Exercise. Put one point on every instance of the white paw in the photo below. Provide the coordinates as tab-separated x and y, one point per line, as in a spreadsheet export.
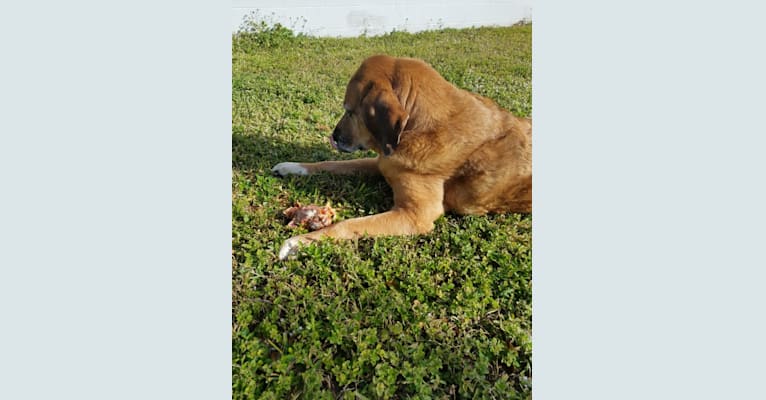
289	248
288	168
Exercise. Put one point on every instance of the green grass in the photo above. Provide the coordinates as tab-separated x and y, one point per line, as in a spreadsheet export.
443	315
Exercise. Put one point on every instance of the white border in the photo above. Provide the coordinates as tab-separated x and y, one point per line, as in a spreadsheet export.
115	225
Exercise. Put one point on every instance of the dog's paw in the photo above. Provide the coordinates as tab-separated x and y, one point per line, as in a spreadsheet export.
289	168
290	247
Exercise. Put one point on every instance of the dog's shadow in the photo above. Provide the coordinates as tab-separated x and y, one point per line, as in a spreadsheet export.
254	156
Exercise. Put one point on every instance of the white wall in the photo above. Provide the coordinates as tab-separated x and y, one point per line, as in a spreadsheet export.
375	17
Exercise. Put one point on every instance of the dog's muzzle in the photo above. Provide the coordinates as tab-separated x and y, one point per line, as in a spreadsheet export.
339	145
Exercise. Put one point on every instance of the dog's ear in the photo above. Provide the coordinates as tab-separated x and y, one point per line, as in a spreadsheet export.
386	119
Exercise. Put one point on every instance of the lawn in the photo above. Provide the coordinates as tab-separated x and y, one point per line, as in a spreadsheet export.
444	315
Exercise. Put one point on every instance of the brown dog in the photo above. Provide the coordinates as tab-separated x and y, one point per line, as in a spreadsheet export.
440	148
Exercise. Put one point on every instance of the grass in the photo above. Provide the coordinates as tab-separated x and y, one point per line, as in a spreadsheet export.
443	315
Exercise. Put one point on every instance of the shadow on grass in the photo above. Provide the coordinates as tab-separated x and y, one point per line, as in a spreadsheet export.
255	155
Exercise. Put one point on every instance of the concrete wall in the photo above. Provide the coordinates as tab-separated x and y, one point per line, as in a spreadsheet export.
375	17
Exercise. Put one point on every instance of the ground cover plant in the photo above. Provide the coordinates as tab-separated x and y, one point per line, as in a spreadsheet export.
443	315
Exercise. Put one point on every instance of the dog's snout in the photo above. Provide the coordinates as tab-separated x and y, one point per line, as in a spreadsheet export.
342	138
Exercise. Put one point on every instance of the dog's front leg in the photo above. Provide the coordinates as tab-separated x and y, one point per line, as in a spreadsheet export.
418	203
390	223
360	165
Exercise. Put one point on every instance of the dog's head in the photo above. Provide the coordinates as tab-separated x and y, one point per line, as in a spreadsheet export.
374	117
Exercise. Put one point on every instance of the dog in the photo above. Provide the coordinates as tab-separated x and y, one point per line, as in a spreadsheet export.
440	148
